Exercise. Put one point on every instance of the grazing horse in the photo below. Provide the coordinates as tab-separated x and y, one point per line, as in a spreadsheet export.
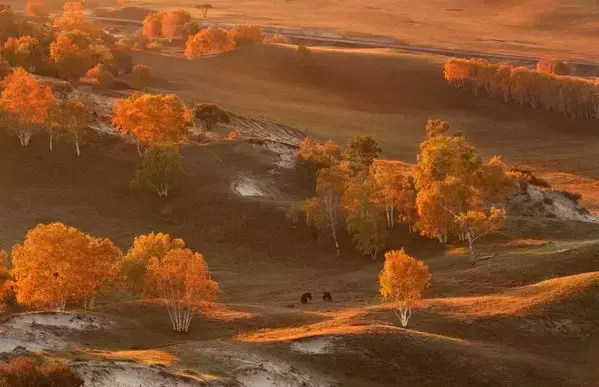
306	297
327	297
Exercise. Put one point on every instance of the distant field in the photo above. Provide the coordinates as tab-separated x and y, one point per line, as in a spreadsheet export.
343	93
531	27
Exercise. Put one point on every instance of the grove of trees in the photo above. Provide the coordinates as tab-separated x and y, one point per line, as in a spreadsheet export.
57	266
447	193
561	94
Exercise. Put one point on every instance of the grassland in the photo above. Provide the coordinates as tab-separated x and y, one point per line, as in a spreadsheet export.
528	27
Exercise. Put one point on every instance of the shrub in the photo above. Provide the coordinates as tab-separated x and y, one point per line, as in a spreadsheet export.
141	76
547	200
101	75
572	196
211	40
275	39
27	372
553	66
244	35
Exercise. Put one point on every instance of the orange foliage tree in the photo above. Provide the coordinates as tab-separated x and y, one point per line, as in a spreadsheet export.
152	26
70	53
26	100
72	117
182	282
173	22
325	209
402	281
25	52
141	77
364	221
476	223
99	76
34	7
211	40
152	119
319	155
73	16
144	248
6	280
572	96
394	192
244	34
57	264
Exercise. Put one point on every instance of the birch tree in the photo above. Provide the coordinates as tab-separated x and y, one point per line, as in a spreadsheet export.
364	221
394	191
57	264
181	281
326	207
71	117
27	101
145	247
402	282
476	224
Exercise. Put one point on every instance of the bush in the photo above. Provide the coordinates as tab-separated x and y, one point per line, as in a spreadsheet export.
244	35
275	39
27	372
101	74
141	77
529	177
572	196
547	200
553	66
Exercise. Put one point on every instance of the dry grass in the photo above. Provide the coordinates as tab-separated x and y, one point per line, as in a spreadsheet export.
149	357
386	94
529	27
520	301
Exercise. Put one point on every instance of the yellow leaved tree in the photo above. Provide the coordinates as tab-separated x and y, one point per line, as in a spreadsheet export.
477	223
27	101
72	117
402	282
146	247
181	281
57	264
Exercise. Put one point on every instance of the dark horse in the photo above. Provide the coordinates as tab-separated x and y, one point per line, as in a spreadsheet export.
306	297
327	297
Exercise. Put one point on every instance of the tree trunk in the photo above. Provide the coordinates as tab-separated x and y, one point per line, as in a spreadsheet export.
51	138
404	315
471	247
138	149
77	144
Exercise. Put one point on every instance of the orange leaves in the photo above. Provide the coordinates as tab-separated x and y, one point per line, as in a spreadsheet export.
57	264
144	248
34	7
141	76
152	119
244	34
211	40
73	15
403	278
24	97
167	24
62	48
152	25
575	97
180	278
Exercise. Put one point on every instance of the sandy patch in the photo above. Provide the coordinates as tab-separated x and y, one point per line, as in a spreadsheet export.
247	187
321	345
127	374
283	155
40	331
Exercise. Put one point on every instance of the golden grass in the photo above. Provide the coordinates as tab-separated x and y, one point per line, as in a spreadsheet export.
568	28
586	186
516	302
148	357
